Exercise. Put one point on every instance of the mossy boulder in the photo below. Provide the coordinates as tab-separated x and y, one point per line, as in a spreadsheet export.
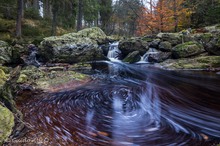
165	46
202	62
213	46
6	123
132	57
133	44
5	53
174	38
73	47
187	49
94	33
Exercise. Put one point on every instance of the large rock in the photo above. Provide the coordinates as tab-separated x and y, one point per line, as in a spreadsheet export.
132	57
133	44
159	57
165	46
175	38
6	124
73	47
187	50
5	53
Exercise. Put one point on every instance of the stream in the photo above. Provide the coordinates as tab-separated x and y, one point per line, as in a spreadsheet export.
129	105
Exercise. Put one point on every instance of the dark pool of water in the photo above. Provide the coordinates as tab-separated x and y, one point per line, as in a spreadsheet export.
130	105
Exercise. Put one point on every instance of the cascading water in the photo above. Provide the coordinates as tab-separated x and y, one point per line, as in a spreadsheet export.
114	52
139	106
149	53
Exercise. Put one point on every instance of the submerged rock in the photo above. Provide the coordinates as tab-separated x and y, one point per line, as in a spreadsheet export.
6	123
187	50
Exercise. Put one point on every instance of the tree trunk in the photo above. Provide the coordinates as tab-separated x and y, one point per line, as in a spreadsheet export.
54	21
47	9
80	15
19	18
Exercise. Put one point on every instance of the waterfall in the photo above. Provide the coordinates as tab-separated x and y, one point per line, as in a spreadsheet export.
145	58
114	52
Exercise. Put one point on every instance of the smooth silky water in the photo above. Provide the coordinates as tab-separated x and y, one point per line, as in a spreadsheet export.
132	105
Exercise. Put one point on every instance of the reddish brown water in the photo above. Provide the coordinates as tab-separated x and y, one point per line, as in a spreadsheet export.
130	106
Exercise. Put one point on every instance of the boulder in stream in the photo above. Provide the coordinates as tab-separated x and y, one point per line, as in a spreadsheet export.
187	49
74	47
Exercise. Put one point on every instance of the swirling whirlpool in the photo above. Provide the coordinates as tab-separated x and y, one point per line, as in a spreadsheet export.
131	105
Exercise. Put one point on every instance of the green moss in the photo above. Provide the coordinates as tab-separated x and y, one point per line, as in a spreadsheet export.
22	78
3	77
202	62
6	25
187	49
6	124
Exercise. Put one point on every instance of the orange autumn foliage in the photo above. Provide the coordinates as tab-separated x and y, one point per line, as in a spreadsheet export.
167	16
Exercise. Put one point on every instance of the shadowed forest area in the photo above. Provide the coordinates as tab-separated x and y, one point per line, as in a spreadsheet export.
33	20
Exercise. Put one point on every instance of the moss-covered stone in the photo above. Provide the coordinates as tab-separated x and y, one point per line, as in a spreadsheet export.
202	62
132	57
165	46
6	123
133	44
73	47
187	49
3	77
22	78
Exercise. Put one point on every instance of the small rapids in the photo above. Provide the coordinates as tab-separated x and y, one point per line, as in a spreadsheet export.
135	105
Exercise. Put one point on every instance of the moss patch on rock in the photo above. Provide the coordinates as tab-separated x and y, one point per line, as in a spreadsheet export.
203	62
6	123
3	77
187	49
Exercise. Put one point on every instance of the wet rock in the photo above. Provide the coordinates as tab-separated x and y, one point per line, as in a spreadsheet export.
6	123
187	50
159	57
203	62
133	44
132	57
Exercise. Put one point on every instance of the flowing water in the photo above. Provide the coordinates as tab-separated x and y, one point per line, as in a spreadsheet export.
134	105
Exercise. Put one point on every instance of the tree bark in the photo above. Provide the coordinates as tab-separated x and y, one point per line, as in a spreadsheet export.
80	15
19	18
54	21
